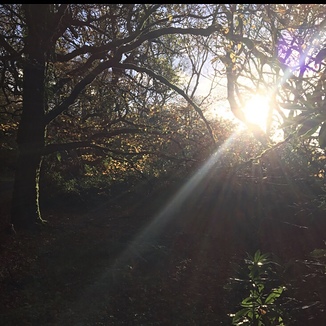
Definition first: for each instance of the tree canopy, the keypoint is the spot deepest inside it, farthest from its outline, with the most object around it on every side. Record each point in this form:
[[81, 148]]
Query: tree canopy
[[122, 82]]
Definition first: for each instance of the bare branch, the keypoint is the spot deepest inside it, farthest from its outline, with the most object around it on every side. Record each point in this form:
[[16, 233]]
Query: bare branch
[[172, 86]]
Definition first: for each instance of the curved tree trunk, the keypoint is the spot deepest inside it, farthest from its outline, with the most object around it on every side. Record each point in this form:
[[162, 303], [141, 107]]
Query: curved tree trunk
[[31, 133]]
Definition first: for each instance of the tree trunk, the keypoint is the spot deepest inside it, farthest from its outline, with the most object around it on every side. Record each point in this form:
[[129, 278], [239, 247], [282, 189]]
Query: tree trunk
[[25, 211]]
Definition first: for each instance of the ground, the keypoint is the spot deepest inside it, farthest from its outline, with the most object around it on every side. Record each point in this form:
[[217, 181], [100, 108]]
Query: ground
[[134, 261]]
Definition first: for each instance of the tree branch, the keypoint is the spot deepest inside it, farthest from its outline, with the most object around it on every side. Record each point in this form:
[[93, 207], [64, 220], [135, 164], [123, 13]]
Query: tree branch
[[79, 87], [164, 81], [52, 148]]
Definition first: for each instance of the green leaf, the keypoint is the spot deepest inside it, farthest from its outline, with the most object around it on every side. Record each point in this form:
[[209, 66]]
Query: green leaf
[[265, 257], [260, 287], [247, 302], [274, 295], [257, 255], [295, 120], [240, 314], [318, 253], [310, 132], [309, 127], [290, 106]]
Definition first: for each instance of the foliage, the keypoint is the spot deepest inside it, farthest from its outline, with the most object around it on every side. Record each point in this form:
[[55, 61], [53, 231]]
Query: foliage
[[262, 285], [127, 88], [276, 49], [95, 78]]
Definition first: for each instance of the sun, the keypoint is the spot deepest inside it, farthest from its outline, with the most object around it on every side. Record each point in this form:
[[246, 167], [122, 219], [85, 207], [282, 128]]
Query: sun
[[256, 110]]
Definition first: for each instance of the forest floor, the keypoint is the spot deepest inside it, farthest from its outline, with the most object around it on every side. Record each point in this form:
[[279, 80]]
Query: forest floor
[[132, 262]]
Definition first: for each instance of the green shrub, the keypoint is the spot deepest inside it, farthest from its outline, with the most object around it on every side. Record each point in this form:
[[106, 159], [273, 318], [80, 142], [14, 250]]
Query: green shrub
[[259, 285]]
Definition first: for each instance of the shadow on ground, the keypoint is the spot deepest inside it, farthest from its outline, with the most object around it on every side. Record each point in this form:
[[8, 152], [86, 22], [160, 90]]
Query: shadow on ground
[[139, 261]]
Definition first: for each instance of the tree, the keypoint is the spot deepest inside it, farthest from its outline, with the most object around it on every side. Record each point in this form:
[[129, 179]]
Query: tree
[[99, 77], [52, 56], [275, 49]]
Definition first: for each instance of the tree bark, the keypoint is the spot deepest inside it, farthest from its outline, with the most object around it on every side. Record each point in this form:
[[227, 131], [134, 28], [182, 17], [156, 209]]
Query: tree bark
[[25, 210]]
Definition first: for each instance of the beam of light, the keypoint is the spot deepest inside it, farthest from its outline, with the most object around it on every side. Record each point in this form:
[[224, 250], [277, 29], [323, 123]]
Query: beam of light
[[145, 240], [151, 232]]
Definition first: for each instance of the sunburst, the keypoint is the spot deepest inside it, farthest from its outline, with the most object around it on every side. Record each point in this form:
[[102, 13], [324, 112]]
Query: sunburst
[[256, 110]]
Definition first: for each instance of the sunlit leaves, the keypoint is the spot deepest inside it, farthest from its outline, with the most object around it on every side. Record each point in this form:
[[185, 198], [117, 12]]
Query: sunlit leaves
[[261, 306], [274, 294], [233, 57]]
